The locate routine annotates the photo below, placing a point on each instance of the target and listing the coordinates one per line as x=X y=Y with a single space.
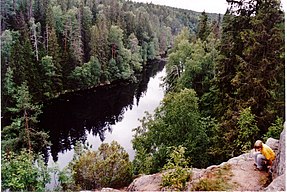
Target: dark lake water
x=102 y=114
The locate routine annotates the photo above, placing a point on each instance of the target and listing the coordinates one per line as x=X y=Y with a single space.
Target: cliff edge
x=237 y=174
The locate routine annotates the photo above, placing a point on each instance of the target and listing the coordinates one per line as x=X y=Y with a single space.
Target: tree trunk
x=27 y=130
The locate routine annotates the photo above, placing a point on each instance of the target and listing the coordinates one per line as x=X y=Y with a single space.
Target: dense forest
x=51 y=47
x=224 y=90
x=224 y=84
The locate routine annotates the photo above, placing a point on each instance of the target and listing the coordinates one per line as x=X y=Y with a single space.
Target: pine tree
x=250 y=68
x=7 y=42
x=86 y=35
x=203 y=28
x=99 y=40
x=24 y=64
x=53 y=50
x=23 y=131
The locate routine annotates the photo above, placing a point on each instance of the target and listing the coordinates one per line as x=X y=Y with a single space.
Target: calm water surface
x=101 y=115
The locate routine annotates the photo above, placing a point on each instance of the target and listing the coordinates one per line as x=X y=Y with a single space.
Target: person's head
x=258 y=145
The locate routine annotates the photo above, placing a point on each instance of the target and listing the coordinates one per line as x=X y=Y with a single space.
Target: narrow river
x=101 y=115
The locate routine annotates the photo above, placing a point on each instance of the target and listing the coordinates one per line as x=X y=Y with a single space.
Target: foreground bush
x=23 y=172
x=107 y=167
x=178 y=172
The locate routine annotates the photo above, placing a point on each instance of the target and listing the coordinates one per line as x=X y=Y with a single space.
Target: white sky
x=210 y=6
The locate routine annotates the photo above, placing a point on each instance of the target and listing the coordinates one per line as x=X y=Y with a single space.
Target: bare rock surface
x=245 y=176
x=279 y=166
x=241 y=174
x=278 y=184
x=146 y=183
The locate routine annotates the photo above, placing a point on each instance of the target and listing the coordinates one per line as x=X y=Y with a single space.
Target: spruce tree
x=250 y=71
x=203 y=28
x=23 y=131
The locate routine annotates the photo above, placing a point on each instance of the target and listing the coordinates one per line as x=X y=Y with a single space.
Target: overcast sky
x=210 y=6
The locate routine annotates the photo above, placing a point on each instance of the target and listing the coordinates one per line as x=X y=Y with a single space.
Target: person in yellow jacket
x=264 y=156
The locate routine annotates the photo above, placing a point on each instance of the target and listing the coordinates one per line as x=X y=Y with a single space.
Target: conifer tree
x=203 y=28
x=250 y=69
x=53 y=49
x=23 y=131
x=23 y=63
x=99 y=44
x=86 y=35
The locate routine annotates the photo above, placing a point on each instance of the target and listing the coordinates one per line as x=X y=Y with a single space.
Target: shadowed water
x=102 y=114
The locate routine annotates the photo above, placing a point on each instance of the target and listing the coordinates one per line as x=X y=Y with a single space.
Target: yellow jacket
x=268 y=152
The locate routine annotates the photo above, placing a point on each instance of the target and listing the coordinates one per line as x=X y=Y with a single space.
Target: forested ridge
x=224 y=84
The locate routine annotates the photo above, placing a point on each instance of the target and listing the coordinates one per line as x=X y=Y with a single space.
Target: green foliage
x=211 y=126
x=88 y=74
x=9 y=85
x=248 y=130
x=109 y=166
x=65 y=181
x=48 y=66
x=249 y=72
x=152 y=50
x=7 y=41
x=143 y=162
x=115 y=37
x=23 y=132
x=99 y=43
x=177 y=59
x=49 y=73
x=114 y=72
x=203 y=29
x=249 y=75
x=176 y=122
x=177 y=171
x=192 y=64
x=135 y=53
x=274 y=130
x=144 y=49
x=23 y=172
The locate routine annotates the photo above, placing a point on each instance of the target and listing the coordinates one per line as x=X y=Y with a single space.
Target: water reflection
x=69 y=117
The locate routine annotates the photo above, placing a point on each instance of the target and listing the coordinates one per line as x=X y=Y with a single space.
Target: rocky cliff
x=237 y=174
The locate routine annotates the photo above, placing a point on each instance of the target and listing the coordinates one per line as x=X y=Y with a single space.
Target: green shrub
x=248 y=130
x=274 y=130
x=23 y=172
x=177 y=171
x=107 y=167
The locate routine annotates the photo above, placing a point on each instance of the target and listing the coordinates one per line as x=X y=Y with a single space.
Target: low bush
x=177 y=171
x=109 y=166
x=23 y=172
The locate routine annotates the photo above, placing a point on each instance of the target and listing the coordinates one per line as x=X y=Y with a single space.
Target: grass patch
x=215 y=181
